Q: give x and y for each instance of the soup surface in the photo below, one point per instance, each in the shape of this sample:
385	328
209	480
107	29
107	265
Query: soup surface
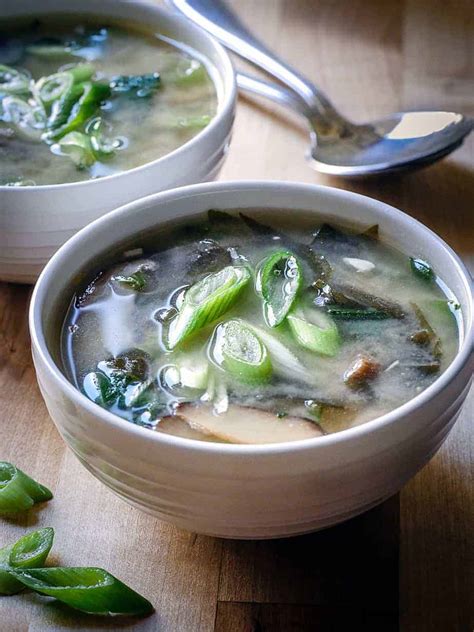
254	328
81	100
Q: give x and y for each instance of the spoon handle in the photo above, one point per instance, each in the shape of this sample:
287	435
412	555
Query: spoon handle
272	91
216	18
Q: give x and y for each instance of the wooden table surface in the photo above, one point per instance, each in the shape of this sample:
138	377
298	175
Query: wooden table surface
406	564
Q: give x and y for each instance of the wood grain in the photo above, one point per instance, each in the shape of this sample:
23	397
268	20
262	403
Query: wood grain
409	558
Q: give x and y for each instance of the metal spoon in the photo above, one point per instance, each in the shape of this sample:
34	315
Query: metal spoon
398	141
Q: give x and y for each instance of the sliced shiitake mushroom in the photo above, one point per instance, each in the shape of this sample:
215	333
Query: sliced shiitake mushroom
248	425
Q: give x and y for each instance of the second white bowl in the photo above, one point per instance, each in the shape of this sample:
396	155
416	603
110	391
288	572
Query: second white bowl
35	221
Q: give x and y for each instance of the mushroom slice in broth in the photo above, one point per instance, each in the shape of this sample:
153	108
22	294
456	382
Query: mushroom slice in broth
248	425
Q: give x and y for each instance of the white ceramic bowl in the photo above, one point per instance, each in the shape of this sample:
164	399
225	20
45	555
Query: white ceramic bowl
35	221
249	491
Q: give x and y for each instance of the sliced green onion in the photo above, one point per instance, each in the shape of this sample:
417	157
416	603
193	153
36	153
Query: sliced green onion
135	281
8	584
62	108
49	48
102	144
80	72
79	108
322	338
52	87
19	492
13	81
99	389
32	549
78	147
283	360
238	350
91	590
278	281
188	72
136	85
27	120
422	269
206	301
193	122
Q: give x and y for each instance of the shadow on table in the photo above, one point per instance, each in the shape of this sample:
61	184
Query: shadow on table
346	574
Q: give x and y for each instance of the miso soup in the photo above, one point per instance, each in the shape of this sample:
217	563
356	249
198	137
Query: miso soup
256	328
82	99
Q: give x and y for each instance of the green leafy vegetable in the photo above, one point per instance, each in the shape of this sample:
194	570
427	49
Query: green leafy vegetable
349	296
205	301
278	280
136	85
91	590
19	492
422	269
432	338
238	350
351	313
322	338
13	81
135	281
99	389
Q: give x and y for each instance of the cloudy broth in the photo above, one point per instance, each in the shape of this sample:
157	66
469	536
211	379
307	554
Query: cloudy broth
145	95
253	328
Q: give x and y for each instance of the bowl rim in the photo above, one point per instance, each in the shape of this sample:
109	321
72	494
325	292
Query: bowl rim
112	421
225	105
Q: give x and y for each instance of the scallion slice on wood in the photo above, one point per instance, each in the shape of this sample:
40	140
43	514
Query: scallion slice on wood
322	338
30	551
238	350
19	492
8	584
205	301
91	590
278	281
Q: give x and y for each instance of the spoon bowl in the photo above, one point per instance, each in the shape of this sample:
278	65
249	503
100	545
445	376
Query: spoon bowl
396	142
399	141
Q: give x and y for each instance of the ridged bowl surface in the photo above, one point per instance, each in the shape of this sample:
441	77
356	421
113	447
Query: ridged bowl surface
251	491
